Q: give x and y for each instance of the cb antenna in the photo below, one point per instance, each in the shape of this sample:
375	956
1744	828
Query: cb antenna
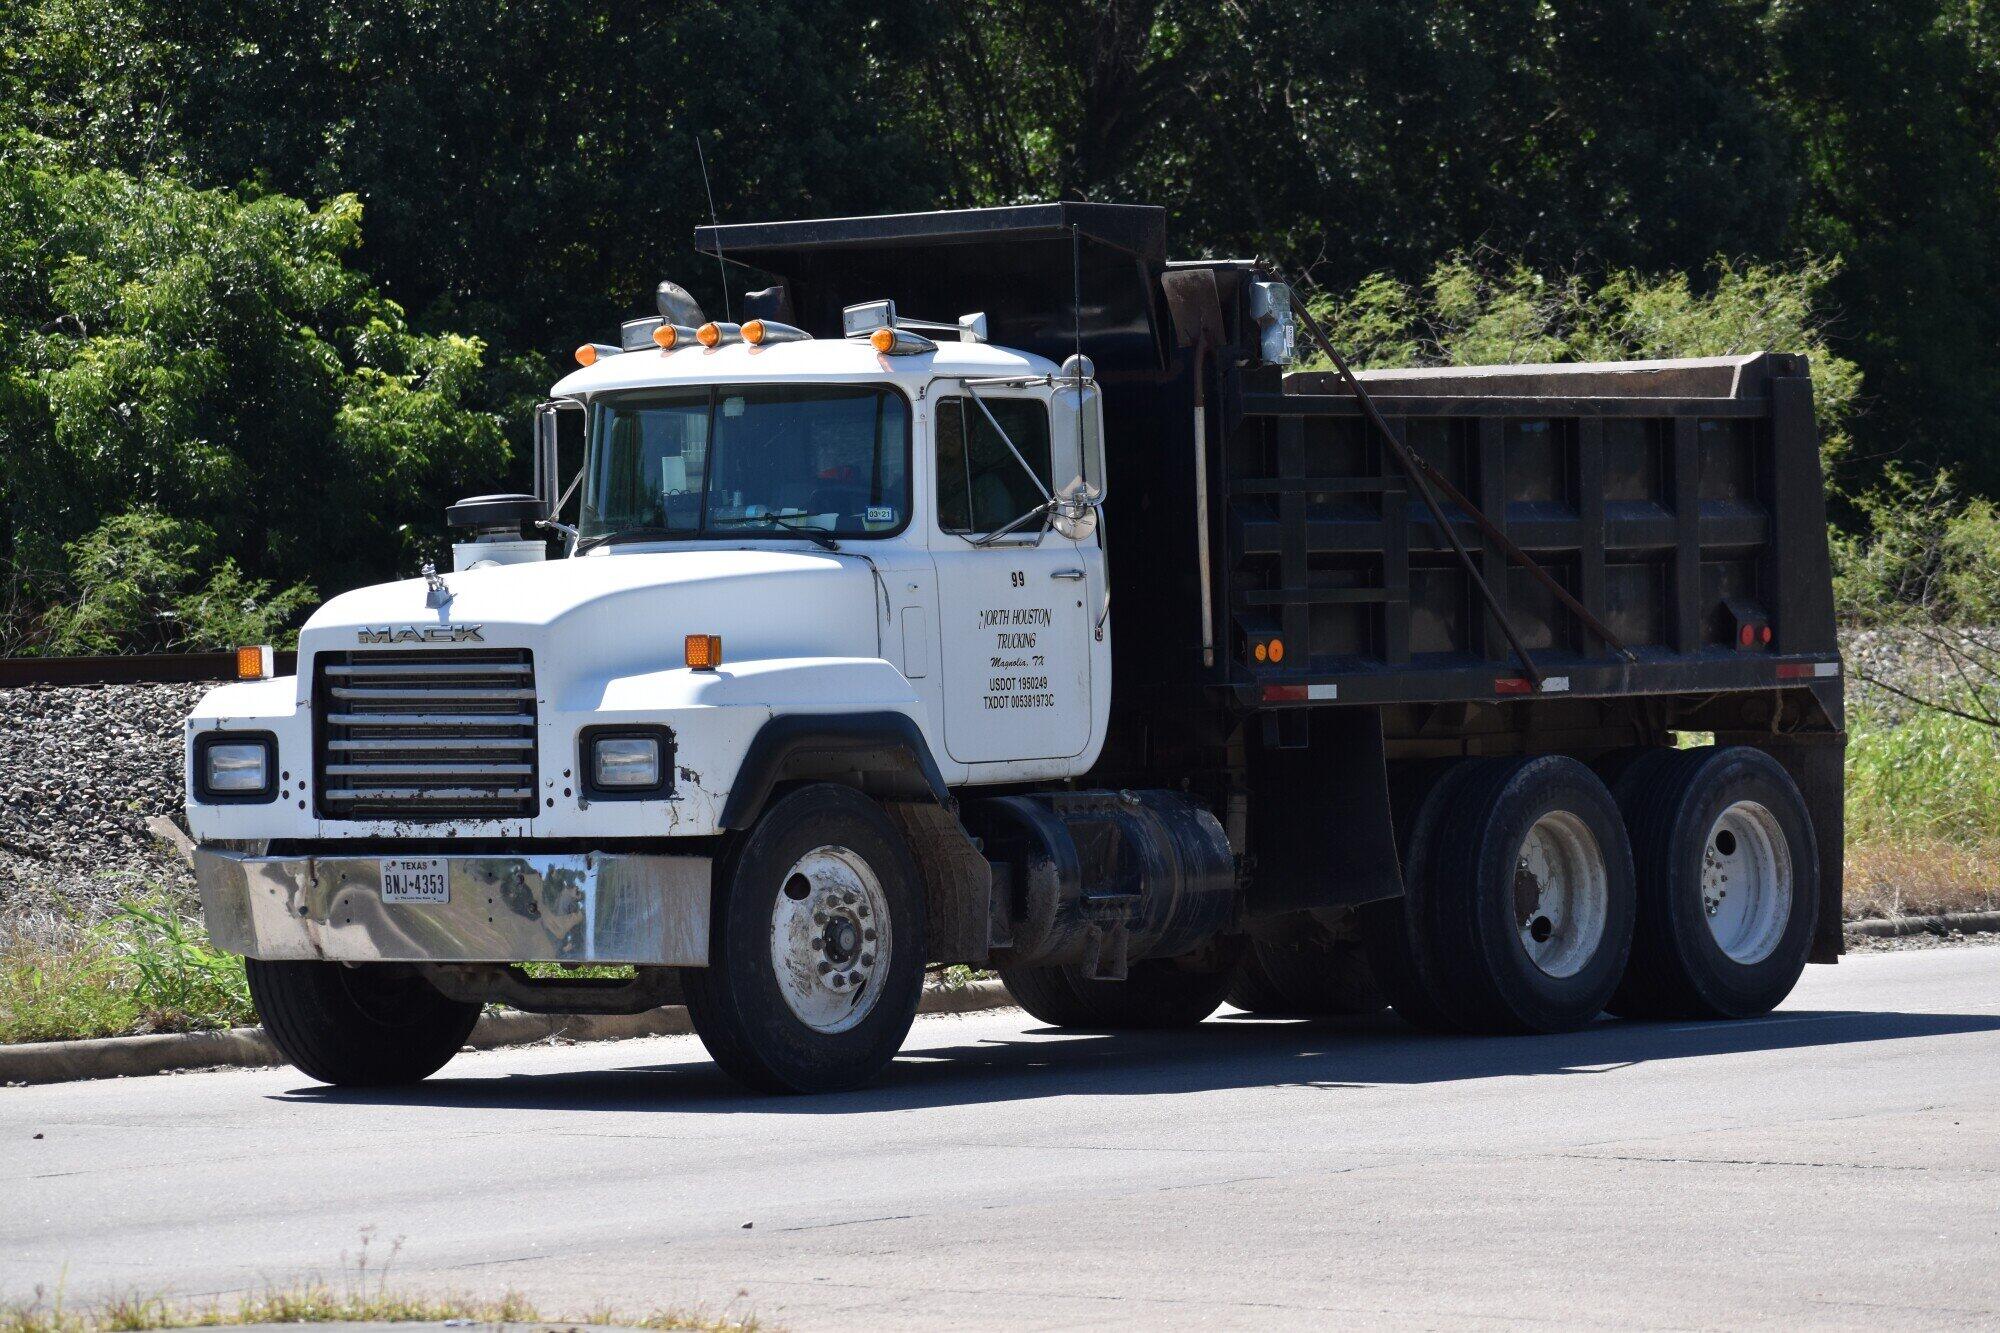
721	265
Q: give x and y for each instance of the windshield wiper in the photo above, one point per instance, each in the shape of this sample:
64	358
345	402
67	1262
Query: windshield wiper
628	535
814	535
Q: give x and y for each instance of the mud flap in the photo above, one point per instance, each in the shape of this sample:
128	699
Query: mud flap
1321	832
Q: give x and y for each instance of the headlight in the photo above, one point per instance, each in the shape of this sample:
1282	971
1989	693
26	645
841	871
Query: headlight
235	767
628	761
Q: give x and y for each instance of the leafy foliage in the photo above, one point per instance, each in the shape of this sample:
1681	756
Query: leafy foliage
1477	309
194	319
195	379
138	585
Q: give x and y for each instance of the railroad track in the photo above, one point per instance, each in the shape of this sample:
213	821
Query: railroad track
128	669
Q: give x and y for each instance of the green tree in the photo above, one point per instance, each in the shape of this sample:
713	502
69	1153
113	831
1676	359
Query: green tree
138	585
209	354
1482	310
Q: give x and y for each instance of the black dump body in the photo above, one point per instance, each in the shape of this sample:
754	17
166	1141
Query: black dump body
1680	502
1293	628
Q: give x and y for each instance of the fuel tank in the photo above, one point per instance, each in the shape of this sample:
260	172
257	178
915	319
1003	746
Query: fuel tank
1101	879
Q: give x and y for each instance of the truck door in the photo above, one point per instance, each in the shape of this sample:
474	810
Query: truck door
1014	615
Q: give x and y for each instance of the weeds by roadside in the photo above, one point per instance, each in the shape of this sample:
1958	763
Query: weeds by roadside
150	968
364	1295
317	1303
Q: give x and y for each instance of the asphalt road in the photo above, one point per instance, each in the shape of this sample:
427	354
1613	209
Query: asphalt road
1835	1164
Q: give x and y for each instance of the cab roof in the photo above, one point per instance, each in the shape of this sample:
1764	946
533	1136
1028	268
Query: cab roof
817	360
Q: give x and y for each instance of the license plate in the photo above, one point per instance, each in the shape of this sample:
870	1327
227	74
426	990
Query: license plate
418	879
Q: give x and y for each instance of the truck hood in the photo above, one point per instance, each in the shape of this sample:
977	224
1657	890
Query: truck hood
625	611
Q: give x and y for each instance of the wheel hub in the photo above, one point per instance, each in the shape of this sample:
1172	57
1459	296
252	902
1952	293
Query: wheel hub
830	938
1746	882
1562	894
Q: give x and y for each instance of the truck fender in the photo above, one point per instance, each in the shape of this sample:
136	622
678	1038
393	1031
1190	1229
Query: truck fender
887	748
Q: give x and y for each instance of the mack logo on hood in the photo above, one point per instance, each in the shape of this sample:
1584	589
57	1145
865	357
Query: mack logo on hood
421	634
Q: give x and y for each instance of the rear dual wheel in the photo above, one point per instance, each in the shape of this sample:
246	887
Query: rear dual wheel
1536	897
1300	969
1520	899
1155	993
1728	883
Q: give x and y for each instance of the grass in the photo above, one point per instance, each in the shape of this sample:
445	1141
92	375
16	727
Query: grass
363	1296
317	1303
148	969
1923	815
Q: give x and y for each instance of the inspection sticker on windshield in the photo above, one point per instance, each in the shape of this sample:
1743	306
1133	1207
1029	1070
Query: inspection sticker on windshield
880	514
415	879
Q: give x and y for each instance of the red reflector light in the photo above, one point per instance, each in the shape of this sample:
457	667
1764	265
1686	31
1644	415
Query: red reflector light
1747	636
1513	685
1796	671
1284	694
1767	634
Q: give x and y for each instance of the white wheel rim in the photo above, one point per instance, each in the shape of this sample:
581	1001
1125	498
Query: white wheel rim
1746	882
830	939
1562	894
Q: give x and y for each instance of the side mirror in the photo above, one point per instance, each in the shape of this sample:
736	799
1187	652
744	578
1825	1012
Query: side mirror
546	486
549	483
1079	425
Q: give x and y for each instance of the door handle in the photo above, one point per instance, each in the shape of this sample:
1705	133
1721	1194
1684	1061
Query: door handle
1067	575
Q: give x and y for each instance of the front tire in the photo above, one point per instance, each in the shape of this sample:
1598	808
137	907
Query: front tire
816	948
372	1026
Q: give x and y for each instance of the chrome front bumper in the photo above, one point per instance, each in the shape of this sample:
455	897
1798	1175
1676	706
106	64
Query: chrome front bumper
592	908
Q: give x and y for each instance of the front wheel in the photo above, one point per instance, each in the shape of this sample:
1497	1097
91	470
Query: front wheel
816	948
371	1026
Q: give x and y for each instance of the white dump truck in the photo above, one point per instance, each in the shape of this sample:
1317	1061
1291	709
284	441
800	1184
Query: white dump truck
797	675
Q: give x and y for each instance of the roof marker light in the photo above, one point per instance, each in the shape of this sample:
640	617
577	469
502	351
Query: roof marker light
670	336
716	333
900	342
758	332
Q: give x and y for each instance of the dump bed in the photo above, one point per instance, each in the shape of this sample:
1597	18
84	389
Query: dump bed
1679	502
1267	549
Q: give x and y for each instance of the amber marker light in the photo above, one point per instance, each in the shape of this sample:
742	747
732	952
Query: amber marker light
709	334
586	355
753	332
666	337
253	662
704	652
882	340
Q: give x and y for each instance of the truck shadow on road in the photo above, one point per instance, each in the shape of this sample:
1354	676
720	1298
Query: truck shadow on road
1230	1051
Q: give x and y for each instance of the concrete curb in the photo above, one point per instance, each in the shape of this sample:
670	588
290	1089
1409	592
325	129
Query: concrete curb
249	1048
1965	923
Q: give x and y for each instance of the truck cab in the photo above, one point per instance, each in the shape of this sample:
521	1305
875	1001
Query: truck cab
795	676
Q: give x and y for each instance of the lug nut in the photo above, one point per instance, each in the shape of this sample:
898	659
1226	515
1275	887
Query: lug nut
868	935
825	968
867	960
839	979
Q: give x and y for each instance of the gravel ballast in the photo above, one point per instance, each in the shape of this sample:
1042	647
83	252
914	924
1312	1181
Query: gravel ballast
81	771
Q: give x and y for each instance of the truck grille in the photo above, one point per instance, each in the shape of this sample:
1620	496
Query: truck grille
425	735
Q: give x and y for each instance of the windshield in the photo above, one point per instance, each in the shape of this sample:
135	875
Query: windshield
731	460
